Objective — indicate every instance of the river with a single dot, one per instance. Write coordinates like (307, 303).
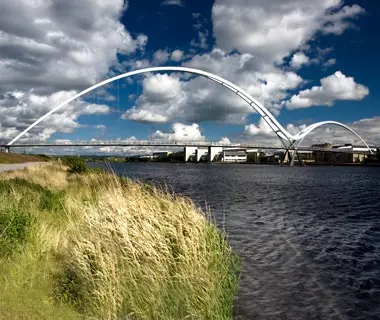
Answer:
(309, 238)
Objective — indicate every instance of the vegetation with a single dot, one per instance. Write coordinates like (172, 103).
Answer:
(170, 157)
(21, 158)
(92, 245)
(75, 164)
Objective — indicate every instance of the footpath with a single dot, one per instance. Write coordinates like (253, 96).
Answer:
(18, 166)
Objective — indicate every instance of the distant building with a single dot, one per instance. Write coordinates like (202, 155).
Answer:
(348, 154)
(233, 155)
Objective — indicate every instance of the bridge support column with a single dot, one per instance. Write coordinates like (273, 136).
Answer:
(285, 158)
(212, 152)
(292, 157)
(7, 149)
(189, 151)
(300, 160)
(199, 153)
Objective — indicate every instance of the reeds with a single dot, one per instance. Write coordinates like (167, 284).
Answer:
(111, 248)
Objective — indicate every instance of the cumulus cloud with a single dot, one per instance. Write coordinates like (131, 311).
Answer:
(262, 128)
(225, 140)
(202, 32)
(274, 29)
(177, 55)
(175, 98)
(18, 110)
(51, 49)
(334, 87)
(255, 67)
(61, 45)
(368, 129)
(299, 59)
(180, 132)
(329, 62)
(260, 134)
(160, 57)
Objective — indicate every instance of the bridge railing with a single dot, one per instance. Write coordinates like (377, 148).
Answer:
(168, 143)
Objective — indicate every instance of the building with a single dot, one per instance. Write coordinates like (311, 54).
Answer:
(233, 155)
(348, 154)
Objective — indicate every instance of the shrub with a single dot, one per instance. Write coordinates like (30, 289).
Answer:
(75, 164)
(14, 230)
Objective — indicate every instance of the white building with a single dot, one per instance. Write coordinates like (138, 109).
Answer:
(234, 155)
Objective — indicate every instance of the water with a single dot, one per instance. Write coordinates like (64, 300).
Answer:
(309, 238)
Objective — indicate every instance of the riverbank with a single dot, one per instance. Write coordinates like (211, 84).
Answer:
(9, 158)
(94, 245)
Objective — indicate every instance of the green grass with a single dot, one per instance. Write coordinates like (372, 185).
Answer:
(94, 246)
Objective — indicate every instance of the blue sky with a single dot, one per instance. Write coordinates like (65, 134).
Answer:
(305, 61)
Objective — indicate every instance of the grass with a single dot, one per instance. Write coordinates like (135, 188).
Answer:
(20, 158)
(94, 246)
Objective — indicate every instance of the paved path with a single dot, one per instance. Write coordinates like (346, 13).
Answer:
(18, 166)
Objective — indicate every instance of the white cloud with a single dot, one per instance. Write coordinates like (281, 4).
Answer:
(261, 129)
(274, 29)
(299, 59)
(51, 49)
(330, 62)
(177, 55)
(160, 57)
(19, 110)
(334, 87)
(225, 140)
(201, 42)
(170, 98)
(369, 129)
(61, 45)
(173, 3)
(337, 22)
(180, 132)
(136, 64)
(255, 32)
(202, 32)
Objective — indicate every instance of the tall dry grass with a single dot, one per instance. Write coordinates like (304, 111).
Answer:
(112, 248)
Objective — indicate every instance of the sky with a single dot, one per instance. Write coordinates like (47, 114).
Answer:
(305, 61)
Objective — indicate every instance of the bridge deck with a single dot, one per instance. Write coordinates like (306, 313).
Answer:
(149, 143)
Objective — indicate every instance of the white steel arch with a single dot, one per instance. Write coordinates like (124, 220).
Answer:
(302, 134)
(277, 128)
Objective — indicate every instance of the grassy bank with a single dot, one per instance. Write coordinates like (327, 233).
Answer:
(95, 246)
(20, 158)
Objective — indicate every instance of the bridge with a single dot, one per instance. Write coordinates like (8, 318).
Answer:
(169, 143)
(191, 148)
(287, 139)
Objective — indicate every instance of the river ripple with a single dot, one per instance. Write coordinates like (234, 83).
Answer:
(309, 238)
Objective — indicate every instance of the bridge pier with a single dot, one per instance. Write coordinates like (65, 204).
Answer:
(285, 158)
(212, 152)
(7, 149)
(290, 156)
(189, 151)
(199, 153)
